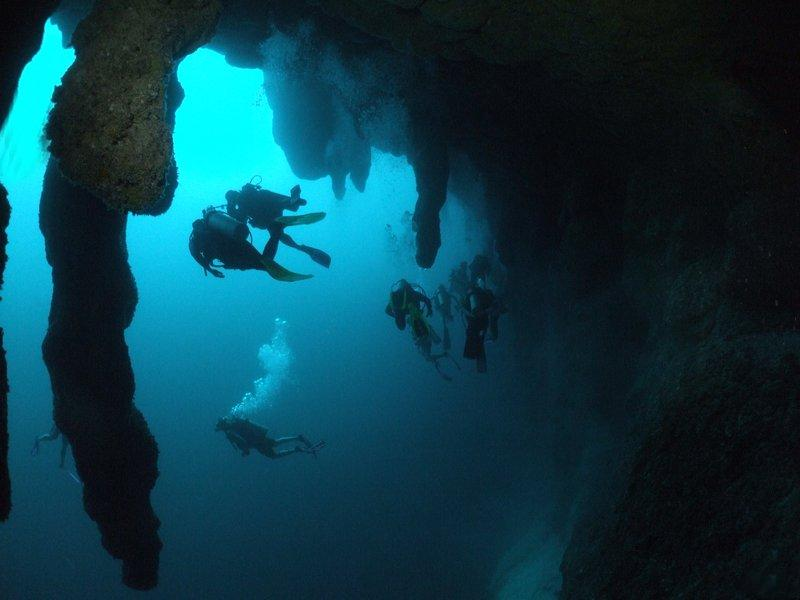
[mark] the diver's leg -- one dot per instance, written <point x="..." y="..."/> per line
<point x="444" y="375"/>
<point x="275" y="235"/>
<point x="493" y="332"/>
<point x="282" y="453"/>
<point x="293" y="439"/>
<point x="289" y="241"/>
<point x="315" y="254"/>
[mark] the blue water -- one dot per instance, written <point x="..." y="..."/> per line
<point x="423" y="482"/>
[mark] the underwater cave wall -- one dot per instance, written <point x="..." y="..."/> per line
<point x="5" y="480"/>
<point x="640" y="173"/>
<point x="26" y="21"/>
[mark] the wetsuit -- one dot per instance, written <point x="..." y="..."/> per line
<point x="207" y="245"/>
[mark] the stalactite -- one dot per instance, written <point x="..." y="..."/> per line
<point x="94" y="298"/>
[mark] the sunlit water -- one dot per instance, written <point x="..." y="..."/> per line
<point x="422" y="482"/>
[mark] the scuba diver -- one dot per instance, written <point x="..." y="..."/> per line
<point x="54" y="434"/>
<point x="246" y="436"/>
<point x="263" y="209"/>
<point x="481" y="313"/>
<point x="459" y="280"/>
<point x="406" y="303"/>
<point x="479" y="269"/>
<point x="443" y="304"/>
<point x="219" y="237"/>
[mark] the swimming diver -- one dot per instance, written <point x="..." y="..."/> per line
<point x="481" y="313"/>
<point x="406" y="303"/>
<point x="246" y="436"/>
<point x="443" y="304"/>
<point x="479" y="269"/>
<point x="219" y="237"/>
<point x="53" y="435"/>
<point x="263" y="209"/>
<point x="459" y="280"/>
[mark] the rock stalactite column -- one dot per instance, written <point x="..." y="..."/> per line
<point x="429" y="158"/>
<point x="5" y="481"/>
<point x="111" y="137"/>
<point x="94" y="297"/>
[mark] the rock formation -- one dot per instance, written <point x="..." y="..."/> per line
<point x="5" y="480"/>
<point x="26" y="20"/>
<point x="638" y="164"/>
<point x="111" y="133"/>
<point x="94" y="297"/>
<point x="108" y="127"/>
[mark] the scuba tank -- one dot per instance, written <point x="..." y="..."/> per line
<point x="226" y="225"/>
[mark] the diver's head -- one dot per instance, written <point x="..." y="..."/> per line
<point x="231" y="195"/>
<point x="222" y="424"/>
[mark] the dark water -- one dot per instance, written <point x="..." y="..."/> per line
<point x="424" y="484"/>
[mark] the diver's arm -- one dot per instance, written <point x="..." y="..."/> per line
<point x="47" y="437"/>
<point x="194" y="250"/>
<point x="238" y="442"/>
<point x="426" y="301"/>
<point x="201" y="258"/>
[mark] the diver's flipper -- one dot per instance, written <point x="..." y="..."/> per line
<point x="312" y="450"/>
<point x="318" y="256"/>
<point x="280" y="273"/>
<point x="306" y="219"/>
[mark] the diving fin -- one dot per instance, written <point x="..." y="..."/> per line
<point x="280" y="273"/>
<point x="306" y="219"/>
<point x="318" y="256"/>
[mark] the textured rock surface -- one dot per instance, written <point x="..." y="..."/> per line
<point x="713" y="498"/>
<point x="108" y="127"/>
<point x="640" y="169"/>
<point x="94" y="298"/>
<point x="641" y="172"/>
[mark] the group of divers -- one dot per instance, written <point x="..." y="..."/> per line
<point x="221" y="239"/>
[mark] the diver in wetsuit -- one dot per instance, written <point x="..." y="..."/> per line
<point x="246" y="436"/>
<point x="219" y="237"/>
<point x="443" y="304"/>
<point x="480" y="308"/>
<point x="406" y="303"/>
<point x="479" y="269"/>
<point x="263" y="209"/>
<point x="459" y="280"/>
<point x="53" y="435"/>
